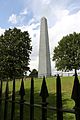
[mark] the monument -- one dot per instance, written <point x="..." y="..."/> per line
<point x="44" y="68"/>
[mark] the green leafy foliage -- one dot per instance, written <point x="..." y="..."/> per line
<point x="15" y="50"/>
<point x="67" y="54"/>
<point x="34" y="73"/>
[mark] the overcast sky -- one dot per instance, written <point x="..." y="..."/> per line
<point x="63" y="17"/>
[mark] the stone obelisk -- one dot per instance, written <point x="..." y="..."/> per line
<point x="44" y="68"/>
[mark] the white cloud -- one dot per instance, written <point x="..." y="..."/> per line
<point x="51" y="9"/>
<point x="1" y="31"/>
<point x="13" y="19"/>
<point x="31" y="21"/>
<point x="24" y="12"/>
<point x="47" y="2"/>
<point x="60" y="14"/>
<point x="68" y="24"/>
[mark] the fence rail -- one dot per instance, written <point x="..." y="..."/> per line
<point x="44" y="106"/>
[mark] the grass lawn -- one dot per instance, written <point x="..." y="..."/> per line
<point x="66" y="85"/>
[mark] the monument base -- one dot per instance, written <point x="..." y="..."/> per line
<point x="44" y="75"/>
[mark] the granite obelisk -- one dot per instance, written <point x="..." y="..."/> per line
<point x="44" y="68"/>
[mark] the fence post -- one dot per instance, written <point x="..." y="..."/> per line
<point x="59" y="99"/>
<point x="22" y="93"/>
<point x="13" y="101"/>
<point x="32" y="100"/>
<point x="6" y="101"/>
<point x="44" y="94"/>
<point x="76" y="96"/>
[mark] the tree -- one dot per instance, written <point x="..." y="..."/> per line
<point x="34" y="73"/>
<point x="67" y="54"/>
<point x="15" y="50"/>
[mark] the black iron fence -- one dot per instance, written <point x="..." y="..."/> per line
<point x="44" y="106"/>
